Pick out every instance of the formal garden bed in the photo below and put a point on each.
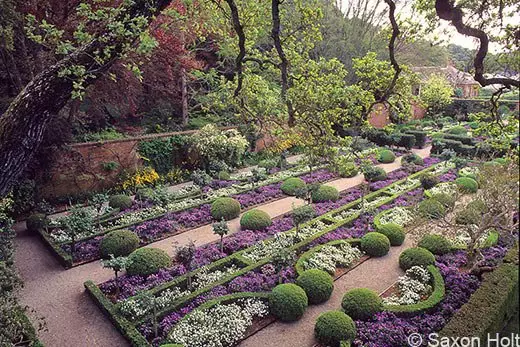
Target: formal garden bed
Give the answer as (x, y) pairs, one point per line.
(254, 269)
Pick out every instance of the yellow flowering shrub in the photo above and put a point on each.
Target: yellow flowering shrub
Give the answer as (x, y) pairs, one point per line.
(143, 177)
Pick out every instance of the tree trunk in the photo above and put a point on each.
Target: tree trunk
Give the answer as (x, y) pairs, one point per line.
(23, 124)
(184, 98)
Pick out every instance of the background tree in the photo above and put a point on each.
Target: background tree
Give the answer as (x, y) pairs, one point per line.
(436, 94)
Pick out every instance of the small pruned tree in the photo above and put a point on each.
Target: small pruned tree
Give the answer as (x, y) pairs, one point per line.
(221, 229)
(301, 215)
(493, 207)
(184, 256)
(305, 193)
(117, 264)
(282, 258)
(98, 201)
(79, 221)
(257, 175)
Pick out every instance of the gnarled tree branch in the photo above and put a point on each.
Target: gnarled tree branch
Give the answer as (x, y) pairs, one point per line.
(448, 11)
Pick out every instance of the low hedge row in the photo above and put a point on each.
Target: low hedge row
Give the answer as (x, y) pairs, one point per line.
(381, 138)
(128, 329)
(490, 306)
(439, 291)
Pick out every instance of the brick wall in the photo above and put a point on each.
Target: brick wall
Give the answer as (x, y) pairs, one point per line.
(379, 117)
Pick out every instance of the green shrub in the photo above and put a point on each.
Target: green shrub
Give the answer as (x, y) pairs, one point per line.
(349, 169)
(431, 208)
(120, 201)
(36, 222)
(119, 243)
(144, 194)
(458, 130)
(501, 161)
(394, 232)
(317, 284)
(325, 193)
(375, 244)
(227, 208)
(268, 164)
(255, 220)
(420, 137)
(446, 200)
(224, 175)
(288, 302)
(428, 181)
(437, 244)
(291, 185)
(374, 173)
(406, 140)
(489, 307)
(386, 156)
(467, 185)
(361, 303)
(466, 140)
(412, 158)
(416, 256)
(147, 261)
(333, 327)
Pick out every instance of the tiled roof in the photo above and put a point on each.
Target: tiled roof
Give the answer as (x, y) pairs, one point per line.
(454, 76)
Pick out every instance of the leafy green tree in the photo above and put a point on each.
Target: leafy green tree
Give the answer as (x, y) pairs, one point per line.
(184, 256)
(301, 215)
(436, 94)
(78, 222)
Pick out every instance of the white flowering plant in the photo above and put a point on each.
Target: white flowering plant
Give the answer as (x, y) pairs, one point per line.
(398, 215)
(331, 256)
(218, 326)
(411, 287)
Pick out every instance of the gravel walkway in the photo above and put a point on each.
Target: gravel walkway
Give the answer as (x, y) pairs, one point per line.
(58, 295)
(375, 273)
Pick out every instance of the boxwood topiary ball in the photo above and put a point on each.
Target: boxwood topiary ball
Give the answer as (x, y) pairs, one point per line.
(431, 208)
(467, 185)
(386, 156)
(416, 256)
(227, 208)
(119, 243)
(120, 201)
(333, 327)
(224, 175)
(394, 232)
(291, 185)
(437, 244)
(317, 284)
(36, 222)
(349, 169)
(375, 244)
(255, 220)
(288, 302)
(147, 261)
(325, 193)
(446, 200)
(361, 303)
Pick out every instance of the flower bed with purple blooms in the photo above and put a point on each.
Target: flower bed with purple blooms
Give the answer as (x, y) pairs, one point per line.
(388, 330)
(175, 222)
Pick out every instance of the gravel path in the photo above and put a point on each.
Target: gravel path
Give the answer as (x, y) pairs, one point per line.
(58, 295)
(375, 273)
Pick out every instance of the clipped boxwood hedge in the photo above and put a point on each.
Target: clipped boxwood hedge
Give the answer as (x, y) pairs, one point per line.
(361, 303)
(394, 232)
(416, 256)
(333, 327)
(120, 201)
(375, 244)
(288, 302)
(467, 185)
(325, 193)
(490, 306)
(291, 185)
(225, 208)
(431, 208)
(386, 156)
(412, 158)
(255, 220)
(437, 244)
(147, 261)
(118, 243)
(317, 284)
(36, 222)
